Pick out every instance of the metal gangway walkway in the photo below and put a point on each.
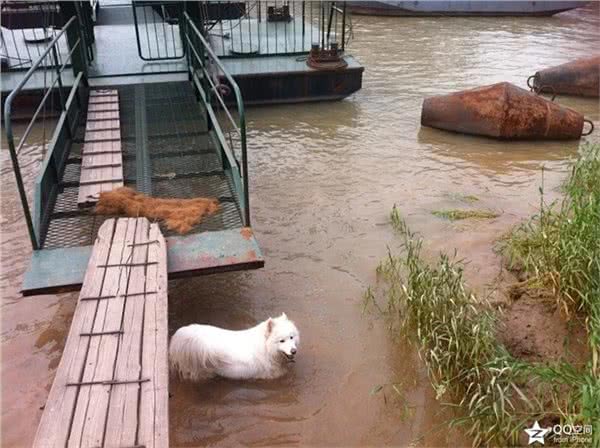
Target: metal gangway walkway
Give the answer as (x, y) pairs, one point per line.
(179, 138)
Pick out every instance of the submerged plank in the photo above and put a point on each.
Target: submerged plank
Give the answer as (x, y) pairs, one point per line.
(111, 386)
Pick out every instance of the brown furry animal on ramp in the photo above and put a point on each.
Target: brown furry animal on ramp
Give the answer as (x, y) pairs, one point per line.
(179, 215)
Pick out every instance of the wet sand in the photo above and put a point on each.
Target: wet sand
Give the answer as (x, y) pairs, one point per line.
(323, 179)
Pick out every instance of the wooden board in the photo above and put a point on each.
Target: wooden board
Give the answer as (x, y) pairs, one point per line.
(111, 386)
(102, 157)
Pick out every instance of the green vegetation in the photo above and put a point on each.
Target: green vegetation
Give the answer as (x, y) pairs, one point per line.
(469, 198)
(458, 214)
(497, 395)
(455, 332)
(560, 248)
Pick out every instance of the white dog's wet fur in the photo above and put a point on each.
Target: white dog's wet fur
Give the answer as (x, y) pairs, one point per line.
(199, 352)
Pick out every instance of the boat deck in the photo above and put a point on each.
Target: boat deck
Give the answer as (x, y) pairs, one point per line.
(111, 386)
(262, 38)
(267, 59)
(116, 51)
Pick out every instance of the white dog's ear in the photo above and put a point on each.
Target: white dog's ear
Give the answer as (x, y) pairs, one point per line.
(284, 316)
(269, 326)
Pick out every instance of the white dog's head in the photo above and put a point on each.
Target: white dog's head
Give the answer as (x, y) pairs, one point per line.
(283, 338)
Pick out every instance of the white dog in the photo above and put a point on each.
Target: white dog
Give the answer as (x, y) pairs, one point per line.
(262, 352)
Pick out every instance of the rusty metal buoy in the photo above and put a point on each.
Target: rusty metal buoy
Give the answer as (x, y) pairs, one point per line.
(580, 77)
(502, 111)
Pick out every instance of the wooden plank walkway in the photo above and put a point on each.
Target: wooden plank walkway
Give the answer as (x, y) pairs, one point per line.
(102, 159)
(111, 386)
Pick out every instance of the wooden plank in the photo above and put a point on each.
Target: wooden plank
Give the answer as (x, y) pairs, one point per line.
(92, 404)
(95, 99)
(103, 92)
(108, 103)
(56, 419)
(102, 165)
(154, 409)
(121, 338)
(106, 115)
(122, 415)
(102, 125)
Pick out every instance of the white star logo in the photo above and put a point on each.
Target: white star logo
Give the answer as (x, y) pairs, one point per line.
(536, 433)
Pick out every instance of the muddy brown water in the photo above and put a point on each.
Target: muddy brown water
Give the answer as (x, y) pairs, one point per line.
(324, 178)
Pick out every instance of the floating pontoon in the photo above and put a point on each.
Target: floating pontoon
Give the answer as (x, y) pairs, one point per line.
(141, 123)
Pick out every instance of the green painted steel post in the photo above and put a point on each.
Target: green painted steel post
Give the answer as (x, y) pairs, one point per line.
(74, 32)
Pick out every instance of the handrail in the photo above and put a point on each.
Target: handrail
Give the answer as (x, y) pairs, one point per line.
(14, 151)
(267, 28)
(241, 126)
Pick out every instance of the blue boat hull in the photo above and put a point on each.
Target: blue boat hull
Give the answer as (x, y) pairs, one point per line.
(463, 8)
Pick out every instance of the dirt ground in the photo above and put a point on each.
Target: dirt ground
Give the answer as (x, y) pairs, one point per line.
(533, 327)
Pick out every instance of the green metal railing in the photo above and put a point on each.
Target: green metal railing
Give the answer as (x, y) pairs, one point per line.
(71, 105)
(157, 29)
(271, 27)
(218, 90)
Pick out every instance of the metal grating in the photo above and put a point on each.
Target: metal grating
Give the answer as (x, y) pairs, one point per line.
(185, 163)
(71, 231)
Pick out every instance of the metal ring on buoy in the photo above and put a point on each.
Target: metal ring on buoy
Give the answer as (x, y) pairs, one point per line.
(585, 120)
(541, 90)
(529, 84)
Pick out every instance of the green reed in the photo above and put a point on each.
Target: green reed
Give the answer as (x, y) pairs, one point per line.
(559, 249)
(455, 334)
(496, 395)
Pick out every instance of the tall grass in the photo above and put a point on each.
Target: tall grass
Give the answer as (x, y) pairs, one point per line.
(559, 249)
(455, 333)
